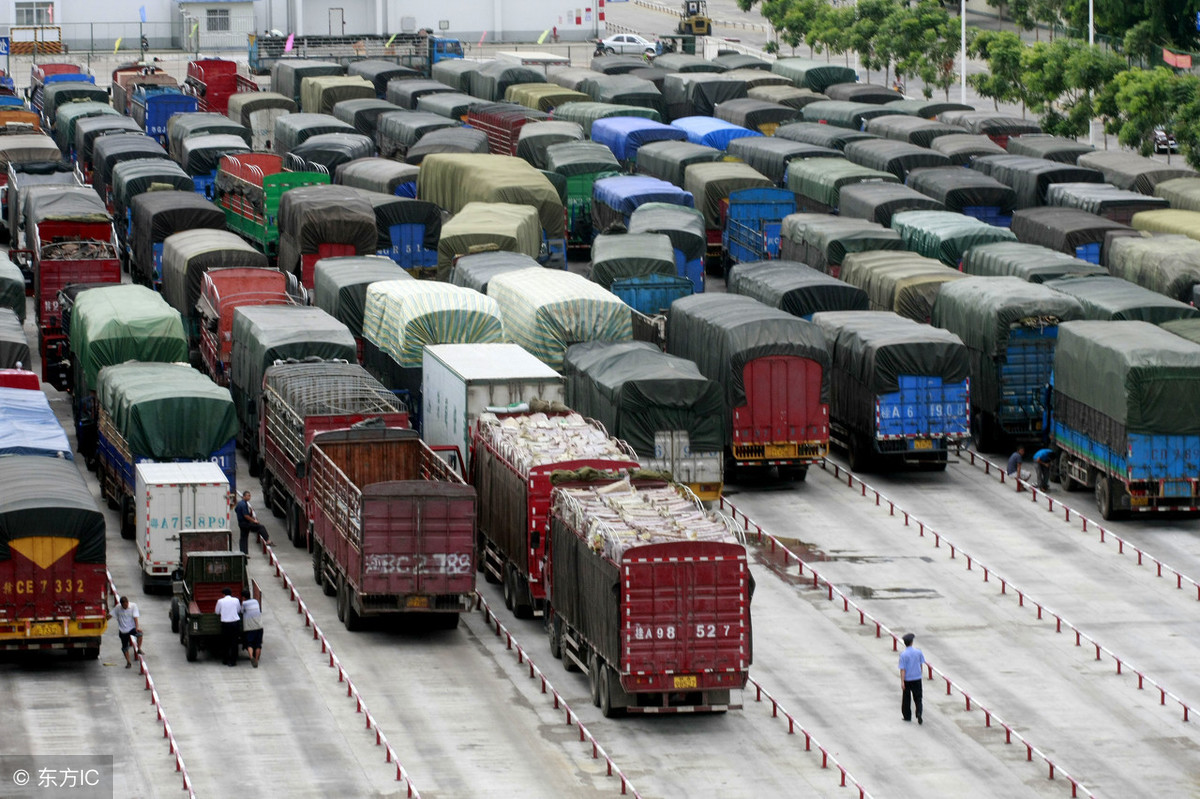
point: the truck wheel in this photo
(146, 587)
(127, 518)
(982, 432)
(91, 653)
(554, 635)
(445, 621)
(522, 599)
(174, 614)
(295, 526)
(106, 490)
(860, 455)
(341, 600)
(193, 650)
(594, 677)
(353, 620)
(1104, 500)
(509, 590)
(606, 706)
(318, 566)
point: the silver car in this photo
(628, 44)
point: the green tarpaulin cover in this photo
(584, 114)
(669, 160)
(1114, 299)
(504, 226)
(1169, 265)
(875, 348)
(340, 285)
(722, 334)
(963, 148)
(114, 324)
(1029, 262)
(402, 317)
(47, 497)
(815, 75)
(1131, 171)
(64, 122)
(982, 311)
(579, 158)
(452, 181)
(1052, 148)
(621, 255)
(905, 283)
(1063, 229)
(946, 235)
(165, 410)
(821, 179)
(636, 390)
(548, 310)
(794, 287)
(1140, 375)
(187, 255)
(784, 95)
(711, 183)
(910, 129)
(12, 288)
(844, 113)
(542, 96)
(683, 225)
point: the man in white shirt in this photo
(230, 609)
(128, 628)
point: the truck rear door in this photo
(783, 403)
(924, 408)
(685, 612)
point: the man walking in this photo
(911, 662)
(128, 628)
(230, 610)
(248, 523)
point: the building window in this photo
(34, 14)
(218, 20)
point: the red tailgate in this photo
(783, 402)
(685, 610)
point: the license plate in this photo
(780, 450)
(682, 683)
(417, 602)
(46, 628)
(922, 443)
(1139, 502)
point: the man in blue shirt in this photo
(248, 523)
(1042, 459)
(912, 660)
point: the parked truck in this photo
(54, 571)
(158, 412)
(419, 49)
(392, 527)
(462, 381)
(224, 290)
(514, 458)
(175, 500)
(900, 391)
(1010, 328)
(206, 575)
(654, 606)
(1124, 421)
(249, 188)
(299, 401)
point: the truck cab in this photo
(441, 49)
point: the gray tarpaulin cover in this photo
(1131, 171)
(536, 137)
(683, 225)
(286, 74)
(821, 240)
(784, 95)
(453, 180)
(758, 78)
(687, 63)
(404, 93)
(699, 93)
(397, 131)
(844, 114)
(1169, 265)
(741, 61)
(131, 178)
(1052, 148)
(945, 234)
(64, 121)
(623, 89)
(452, 105)
(1062, 229)
(636, 390)
(812, 74)
(584, 114)
(902, 282)
(750, 113)
(982, 311)
(989, 123)
(108, 151)
(63, 203)
(310, 216)
(188, 254)
(158, 214)
(492, 80)
(183, 126)
(1029, 262)
(88, 130)
(293, 129)
(580, 158)
(1100, 198)
(23, 177)
(794, 287)
(325, 152)
(616, 64)
(877, 202)
(770, 155)
(340, 285)
(48, 495)
(1114, 299)
(119, 323)
(376, 174)
(167, 410)
(821, 179)
(910, 129)
(263, 334)
(655, 75)
(721, 334)
(14, 347)
(669, 160)
(621, 255)
(876, 347)
(57, 95)
(1187, 328)
(959, 188)
(853, 91)
(1143, 377)
(201, 154)
(711, 183)
(476, 271)
(1182, 193)
(12, 288)
(456, 72)
(573, 77)
(380, 72)
(362, 113)
(927, 109)
(1031, 177)
(391, 210)
(896, 157)
(963, 148)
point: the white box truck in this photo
(460, 381)
(173, 499)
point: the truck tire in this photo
(353, 621)
(594, 677)
(318, 566)
(606, 692)
(341, 600)
(193, 650)
(860, 455)
(106, 490)
(127, 518)
(1104, 498)
(174, 615)
(444, 621)
(554, 634)
(146, 587)
(522, 599)
(92, 652)
(510, 598)
(295, 525)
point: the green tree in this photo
(914, 37)
(1003, 80)
(1145, 99)
(830, 30)
(1171, 22)
(1139, 44)
(867, 33)
(1061, 80)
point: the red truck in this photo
(502, 122)
(211, 81)
(649, 594)
(299, 401)
(512, 467)
(69, 239)
(393, 527)
(223, 291)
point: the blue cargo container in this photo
(685, 227)
(753, 223)
(1024, 373)
(651, 294)
(110, 455)
(992, 214)
(153, 105)
(408, 247)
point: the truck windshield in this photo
(450, 48)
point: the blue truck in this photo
(753, 222)
(899, 390)
(1124, 421)
(153, 105)
(1010, 328)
